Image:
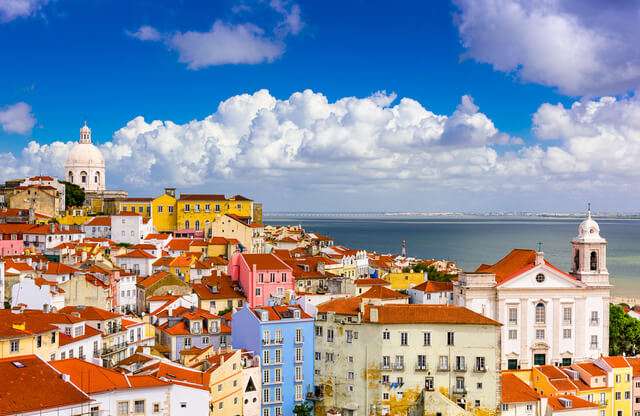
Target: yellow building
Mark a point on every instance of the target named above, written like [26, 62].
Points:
[74, 216]
[225, 371]
[197, 211]
[620, 375]
[403, 281]
[22, 334]
[141, 206]
[163, 211]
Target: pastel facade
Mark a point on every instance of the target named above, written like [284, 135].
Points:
[283, 337]
[163, 211]
[264, 278]
[549, 316]
[230, 226]
[432, 293]
[130, 228]
[370, 355]
[404, 281]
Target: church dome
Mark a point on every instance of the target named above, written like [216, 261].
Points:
[85, 165]
[589, 230]
[85, 154]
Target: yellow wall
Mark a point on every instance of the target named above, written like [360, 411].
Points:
[401, 281]
[28, 345]
[197, 211]
[229, 375]
[595, 397]
[141, 207]
[623, 385]
[541, 383]
[167, 219]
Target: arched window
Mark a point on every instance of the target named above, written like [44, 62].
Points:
[83, 177]
[594, 260]
[70, 176]
[97, 178]
[186, 224]
[540, 313]
[576, 261]
[197, 225]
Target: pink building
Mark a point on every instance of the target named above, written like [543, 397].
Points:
[265, 279]
[635, 363]
[11, 247]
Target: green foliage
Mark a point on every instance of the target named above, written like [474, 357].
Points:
[73, 195]
[303, 409]
[434, 275]
[624, 332]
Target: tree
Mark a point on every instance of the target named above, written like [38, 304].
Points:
[73, 195]
[624, 332]
[433, 274]
[303, 409]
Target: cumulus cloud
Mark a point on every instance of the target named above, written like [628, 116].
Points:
[17, 118]
[226, 43]
[581, 47]
[14, 9]
[374, 145]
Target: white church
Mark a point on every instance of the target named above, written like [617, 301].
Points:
[548, 316]
[85, 164]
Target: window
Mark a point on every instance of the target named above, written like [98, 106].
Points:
[594, 318]
[480, 364]
[428, 383]
[540, 334]
[298, 373]
[156, 407]
[298, 335]
[422, 362]
[298, 392]
[277, 376]
[567, 315]
[329, 335]
[39, 341]
[265, 395]
[349, 335]
[540, 313]
[15, 345]
[278, 354]
[618, 395]
[504, 407]
[386, 361]
[566, 333]
[265, 357]
[404, 339]
[426, 339]
[138, 406]
[257, 291]
[594, 342]
[187, 208]
[298, 355]
[386, 335]
[170, 208]
[187, 342]
[529, 407]
[627, 395]
[159, 210]
[265, 411]
[450, 338]
[593, 261]
[513, 315]
[265, 376]
[539, 278]
[318, 331]
[460, 363]
[443, 363]
[513, 334]
[123, 408]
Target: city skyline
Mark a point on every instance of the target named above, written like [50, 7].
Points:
[376, 108]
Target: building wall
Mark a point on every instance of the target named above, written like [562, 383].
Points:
[29, 345]
[257, 293]
[11, 247]
[78, 291]
[227, 387]
[251, 238]
[127, 229]
[163, 213]
[403, 281]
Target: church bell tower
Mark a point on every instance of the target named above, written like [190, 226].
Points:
[589, 254]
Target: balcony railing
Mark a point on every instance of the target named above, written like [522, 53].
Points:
[460, 368]
[459, 390]
[114, 348]
[385, 366]
[421, 367]
[443, 367]
[398, 366]
[480, 369]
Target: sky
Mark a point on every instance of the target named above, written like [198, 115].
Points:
[336, 105]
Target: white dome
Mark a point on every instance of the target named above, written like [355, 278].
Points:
[589, 230]
[85, 155]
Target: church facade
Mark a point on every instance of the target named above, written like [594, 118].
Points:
[549, 316]
[85, 165]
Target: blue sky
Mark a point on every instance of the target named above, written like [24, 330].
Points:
[75, 60]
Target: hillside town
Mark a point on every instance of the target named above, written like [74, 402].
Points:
[189, 304]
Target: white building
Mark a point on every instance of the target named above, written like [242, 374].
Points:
[136, 261]
[98, 227]
[43, 295]
[44, 238]
[251, 384]
[127, 293]
[130, 227]
[114, 393]
[549, 316]
[85, 165]
[432, 293]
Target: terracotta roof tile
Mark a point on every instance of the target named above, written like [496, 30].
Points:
[433, 287]
[265, 262]
[90, 313]
[432, 314]
[576, 403]
[514, 390]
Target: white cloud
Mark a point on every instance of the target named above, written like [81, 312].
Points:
[14, 9]
[581, 47]
[370, 147]
[145, 33]
[292, 17]
[225, 44]
[17, 118]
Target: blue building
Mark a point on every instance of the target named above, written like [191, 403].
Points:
[283, 337]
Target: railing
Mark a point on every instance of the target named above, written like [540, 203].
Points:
[460, 368]
[421, 367]
[443, 367]
[385, 366]
[594, 322]
[459, 390]
[481, 369]
[114, 348]
[299, 340]
[398, 366]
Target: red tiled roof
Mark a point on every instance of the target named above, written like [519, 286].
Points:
[225, 288]
[635, 363]
[31, 385]
[576, 403]
[432, 314]
[514, 390]
[341, 306]
[277, 313]
[153, 279]
[265, 262]
[202, 197]
[432, 287]
[59, 268]
[136, 254]
[90, 313]
[371, 282]
[616, 361]
[381, 292]
[593, 369]
[179, 244]
[93, 378]
[157, 236]
[102, 221]
[514, 264]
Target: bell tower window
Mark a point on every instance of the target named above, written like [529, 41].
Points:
[594, 261]
[83, 177]
[576, 261]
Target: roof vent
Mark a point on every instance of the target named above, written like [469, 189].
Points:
[18, 364]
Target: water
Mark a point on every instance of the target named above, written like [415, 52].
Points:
[472, 241]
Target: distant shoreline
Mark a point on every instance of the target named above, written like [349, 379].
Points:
[457, 215]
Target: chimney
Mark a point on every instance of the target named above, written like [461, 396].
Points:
[52, 227]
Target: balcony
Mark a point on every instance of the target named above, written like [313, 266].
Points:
[459, 390]
[481, 369]
[594, 322]
[443, 367]
[421, 367]
[114, 348]
[398, 366]
[316, 395]
[385, 366]
[461, 368]
[299, 340]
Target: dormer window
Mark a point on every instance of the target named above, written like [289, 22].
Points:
[296, 314]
